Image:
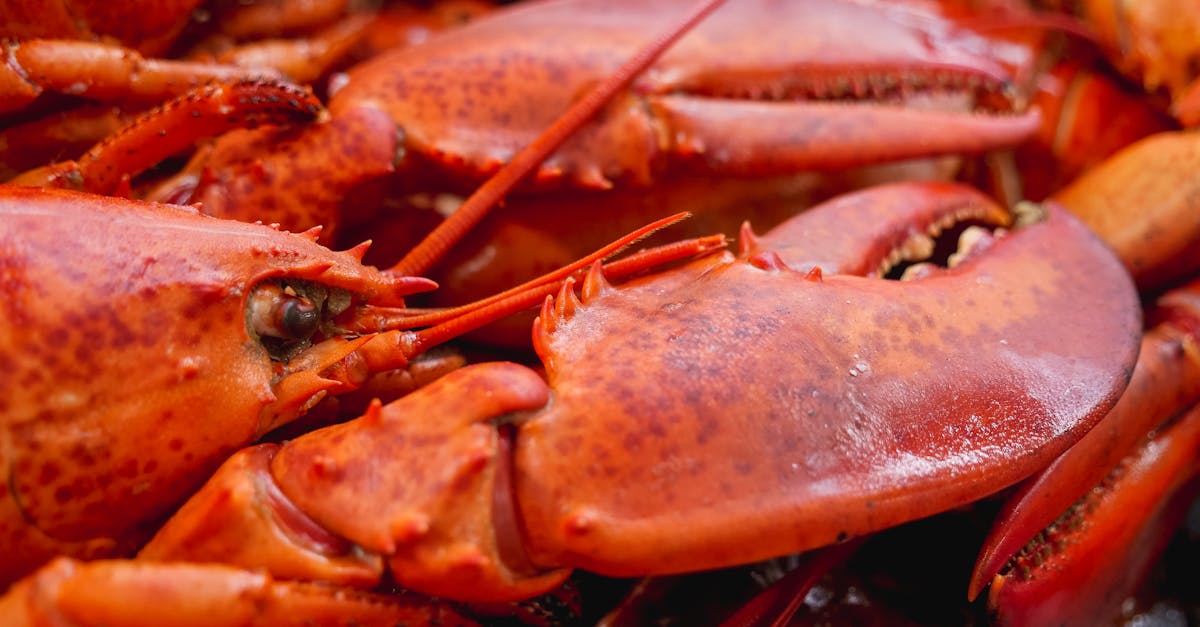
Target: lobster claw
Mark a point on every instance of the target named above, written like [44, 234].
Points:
[434, 467]
[792, 409]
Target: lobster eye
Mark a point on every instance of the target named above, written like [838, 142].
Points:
[274, 311]
[298, 318]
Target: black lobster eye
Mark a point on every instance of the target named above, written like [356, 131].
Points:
[298, 318]
[275, 311]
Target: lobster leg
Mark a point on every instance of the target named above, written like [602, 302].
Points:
[76, 594]
[174, 126]
[301, 60]
[274, 18]
[103, 72]
[55, 136]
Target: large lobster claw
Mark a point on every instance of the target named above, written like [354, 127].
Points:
[788, 410]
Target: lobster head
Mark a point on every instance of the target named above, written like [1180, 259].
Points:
[144, 343]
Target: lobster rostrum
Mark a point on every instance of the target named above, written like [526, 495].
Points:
[894, 400]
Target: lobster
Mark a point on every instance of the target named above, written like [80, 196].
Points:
[249, 323]
[847, 441]
[559, 302]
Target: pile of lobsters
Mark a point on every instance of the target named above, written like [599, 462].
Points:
[745, 312]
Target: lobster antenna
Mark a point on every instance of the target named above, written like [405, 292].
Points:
[498, 307]
[396, 346]
[405, 318]
[449, 232]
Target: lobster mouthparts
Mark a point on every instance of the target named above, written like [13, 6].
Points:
[742, 408]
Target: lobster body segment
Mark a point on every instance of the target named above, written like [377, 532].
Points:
[885, 401]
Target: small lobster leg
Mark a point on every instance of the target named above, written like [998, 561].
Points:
[103, 72]
[51, 138]
[1165, 382]
[136, 594]
[173, 127]
[1081, 568]
[273, 18]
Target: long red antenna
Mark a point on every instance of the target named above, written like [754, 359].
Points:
[448, 233]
